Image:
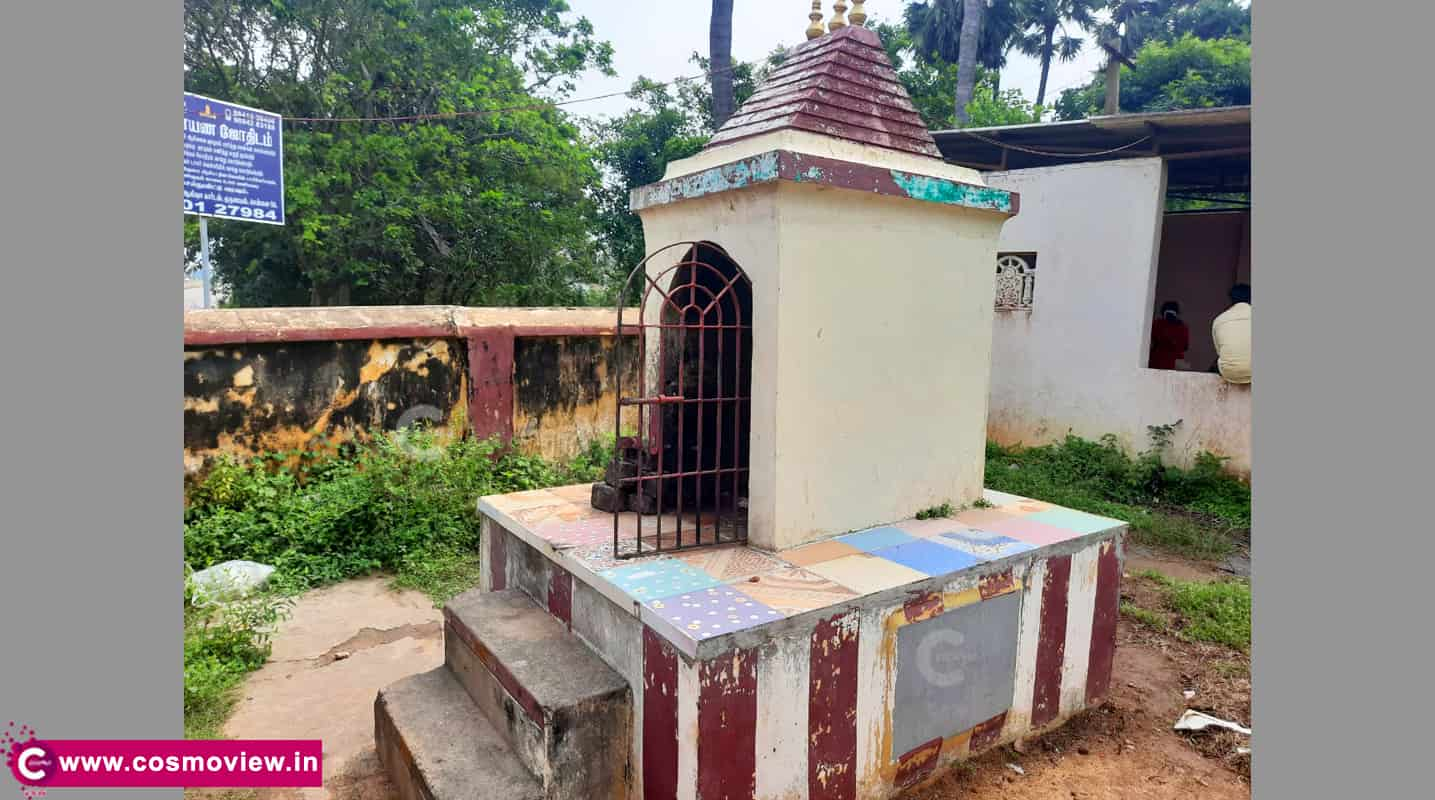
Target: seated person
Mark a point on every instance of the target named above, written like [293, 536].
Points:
[1170, 338]
[1231, 332]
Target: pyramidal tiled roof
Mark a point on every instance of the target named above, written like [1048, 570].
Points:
[842, 85]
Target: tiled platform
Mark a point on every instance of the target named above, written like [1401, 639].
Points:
[694, 597]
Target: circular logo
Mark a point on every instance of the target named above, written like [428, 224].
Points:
[34, 763]
[939, 658]
[409, 433]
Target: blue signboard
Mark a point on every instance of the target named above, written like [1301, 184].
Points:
[233, 161]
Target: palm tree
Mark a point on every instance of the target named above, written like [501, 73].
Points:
[937, 28]
[1131, 23]
[1046, 36]
[720, 61]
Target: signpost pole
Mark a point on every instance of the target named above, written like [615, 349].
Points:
[206, 270]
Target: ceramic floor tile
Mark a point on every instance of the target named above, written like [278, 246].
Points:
[925, 528]
[729, 562]
[714, 611]
[985, 545]
[578, 533]
[980, 518]
[578, 494]
[928, 557]
[997, 498]
[517, 501]
[875, 539]
[1028, 530]
[651, 580]
[793, 591]
[866, 573]
[1074, 520]
[817, 553]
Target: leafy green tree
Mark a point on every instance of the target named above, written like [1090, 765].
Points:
[1210, 19]
[634, 150]
[492, 208]
[1045, 35]
[671, 122]
[991, 106]
[1186, 73]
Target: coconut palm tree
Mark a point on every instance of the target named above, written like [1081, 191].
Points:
[720, 61]
[937, 28]
[1046, 36]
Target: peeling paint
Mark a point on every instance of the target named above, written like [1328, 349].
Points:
[941, 190]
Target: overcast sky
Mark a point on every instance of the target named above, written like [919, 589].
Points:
[655, 38]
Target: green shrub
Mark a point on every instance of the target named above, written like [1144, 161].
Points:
[223, 643]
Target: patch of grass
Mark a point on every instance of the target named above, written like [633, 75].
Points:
[1146, 617]
[1181, 535]
[1218, 612]
[1191, 512]
[981, 502]
[440, 573]
[936, 512]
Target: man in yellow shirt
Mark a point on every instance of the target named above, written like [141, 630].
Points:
[1231, 332]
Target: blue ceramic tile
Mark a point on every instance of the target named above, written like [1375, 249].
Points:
[876, 539]
[984, 545]
[714, 611]
[1073, 520]
[665, 577]
[925, 556]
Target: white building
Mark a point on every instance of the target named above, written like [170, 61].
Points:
[1101, 242]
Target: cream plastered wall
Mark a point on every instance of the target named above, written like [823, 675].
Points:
[1076, 363]
[872, 335]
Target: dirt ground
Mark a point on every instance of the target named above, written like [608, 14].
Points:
[1123, 749]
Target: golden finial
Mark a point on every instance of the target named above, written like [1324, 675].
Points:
[838, 9]
[858, 16]
[815, 29]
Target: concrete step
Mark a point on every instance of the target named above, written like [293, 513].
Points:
[567, 714]
[436, 745]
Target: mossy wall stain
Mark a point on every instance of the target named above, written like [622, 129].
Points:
[565, 391]
[252, 398]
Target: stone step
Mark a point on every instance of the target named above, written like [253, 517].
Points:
[567, 714]
[436, 745]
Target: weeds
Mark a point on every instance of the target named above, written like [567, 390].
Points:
[1217, 612]
[378, 507]
[1145, 616]
[1192, 512]
[223, 643]
[936, 512]
[402, 503]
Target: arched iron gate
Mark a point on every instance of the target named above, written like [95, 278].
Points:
[682, 463]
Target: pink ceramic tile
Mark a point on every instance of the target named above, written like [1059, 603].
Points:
[578, 494]
[1029, 531]
[517, 501]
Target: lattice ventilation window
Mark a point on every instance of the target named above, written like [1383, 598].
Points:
[1016, 281]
